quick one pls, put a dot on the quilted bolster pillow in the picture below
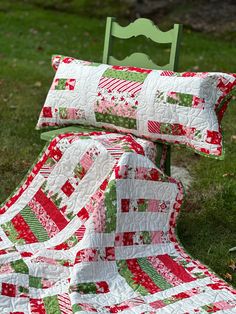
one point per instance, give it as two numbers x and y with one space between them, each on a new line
181 108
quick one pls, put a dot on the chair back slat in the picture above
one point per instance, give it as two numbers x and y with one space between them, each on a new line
140 59
145 28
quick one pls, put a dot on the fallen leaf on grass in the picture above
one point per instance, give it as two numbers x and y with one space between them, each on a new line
196 68
232 265
228 276
40 48
233 138
38 84
12 107
41 62
228 174
33 31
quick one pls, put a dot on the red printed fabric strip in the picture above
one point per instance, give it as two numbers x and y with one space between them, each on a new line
51 209
139 173
164 271
144 205
158 304
215 307
43 217
37 306
126 305
23 229
175 268
140 238
47 112
95 255
140 277
130 68
8 289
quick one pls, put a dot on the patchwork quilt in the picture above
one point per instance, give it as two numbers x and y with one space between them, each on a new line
170 107
91 230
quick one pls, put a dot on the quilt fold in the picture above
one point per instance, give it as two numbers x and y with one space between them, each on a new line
92 230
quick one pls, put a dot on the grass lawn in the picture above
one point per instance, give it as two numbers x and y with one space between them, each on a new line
30 35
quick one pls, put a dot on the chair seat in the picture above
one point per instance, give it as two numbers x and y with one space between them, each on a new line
47 136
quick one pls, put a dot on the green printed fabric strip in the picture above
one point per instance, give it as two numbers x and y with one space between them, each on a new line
51 305
76 308
55 198
142 207
84 288
34 224
151 272
12 233
61 84
111 207
79 171
125 75
181 99
20 266
146 236
126 273
35 282
225 100
63 112
128 123
23 290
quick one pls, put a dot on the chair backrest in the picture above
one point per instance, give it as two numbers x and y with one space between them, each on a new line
146 28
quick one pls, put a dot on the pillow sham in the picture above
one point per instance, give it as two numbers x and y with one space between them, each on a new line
181 108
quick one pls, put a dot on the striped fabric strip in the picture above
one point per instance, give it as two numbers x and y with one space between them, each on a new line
120 85
64 303
152 273
141 277
23 229
44 218
164 271
34 224
124 271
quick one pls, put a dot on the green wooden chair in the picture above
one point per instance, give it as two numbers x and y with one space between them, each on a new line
139 27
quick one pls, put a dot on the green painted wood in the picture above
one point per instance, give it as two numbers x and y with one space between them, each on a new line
143 60
143 27
149 30
48 136
175 47
167 165
107 40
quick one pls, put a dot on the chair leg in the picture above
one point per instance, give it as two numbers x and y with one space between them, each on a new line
168 161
